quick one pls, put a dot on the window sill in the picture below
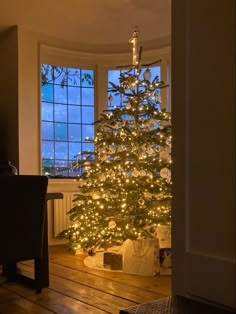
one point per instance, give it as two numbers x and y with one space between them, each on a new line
62 185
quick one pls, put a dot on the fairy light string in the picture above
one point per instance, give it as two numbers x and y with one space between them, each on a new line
125 189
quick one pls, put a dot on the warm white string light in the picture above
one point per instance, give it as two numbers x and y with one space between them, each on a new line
134 41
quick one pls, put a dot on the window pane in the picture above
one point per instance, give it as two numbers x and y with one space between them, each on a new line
48 167
74 114
47 74
73 77
61 131
62 168
74 132
47 111
60 94
87 131
60 113
117 100
156 71
74 95
47 131
60 75
87 78
74 150
87 114
113 76
75 171
113 100
87 96
61 150
47 150
88 147
47 93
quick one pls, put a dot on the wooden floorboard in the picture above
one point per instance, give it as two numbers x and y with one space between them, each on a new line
76 288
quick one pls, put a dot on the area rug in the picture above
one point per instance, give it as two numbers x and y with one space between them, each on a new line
161 306
175 305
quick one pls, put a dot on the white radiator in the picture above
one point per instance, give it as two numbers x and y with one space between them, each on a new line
61 207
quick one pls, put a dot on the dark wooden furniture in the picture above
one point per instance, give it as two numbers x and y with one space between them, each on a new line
45 264
23 219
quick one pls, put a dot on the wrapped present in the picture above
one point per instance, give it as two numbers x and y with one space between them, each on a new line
165 261
141 257
163 233
112 261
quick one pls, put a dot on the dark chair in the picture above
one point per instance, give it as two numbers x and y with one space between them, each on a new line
22 223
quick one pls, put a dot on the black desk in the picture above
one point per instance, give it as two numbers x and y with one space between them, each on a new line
54 195
12 269
45 266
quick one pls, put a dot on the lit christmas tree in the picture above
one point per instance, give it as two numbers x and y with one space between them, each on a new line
125 189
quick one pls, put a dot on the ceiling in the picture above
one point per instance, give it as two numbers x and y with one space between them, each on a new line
96 25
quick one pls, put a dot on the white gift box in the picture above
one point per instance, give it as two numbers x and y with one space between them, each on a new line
163 233
141 257
165 261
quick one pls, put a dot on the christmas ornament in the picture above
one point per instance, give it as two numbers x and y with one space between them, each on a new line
114 125
147 195
150 151
91 252
111 224
96 196
110 98
141 201
87 165
159 196
102 177
111 150
121 148
164 155
142 173
165 173
128 106
134 41
135 173
123 135
147 75
103 157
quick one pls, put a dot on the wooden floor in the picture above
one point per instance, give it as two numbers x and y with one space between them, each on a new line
75 288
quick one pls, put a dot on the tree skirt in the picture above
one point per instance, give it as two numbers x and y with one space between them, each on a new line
96 262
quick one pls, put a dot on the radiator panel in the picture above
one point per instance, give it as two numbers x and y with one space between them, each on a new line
61 207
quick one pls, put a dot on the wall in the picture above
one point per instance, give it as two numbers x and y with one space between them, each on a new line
9 97
203 103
